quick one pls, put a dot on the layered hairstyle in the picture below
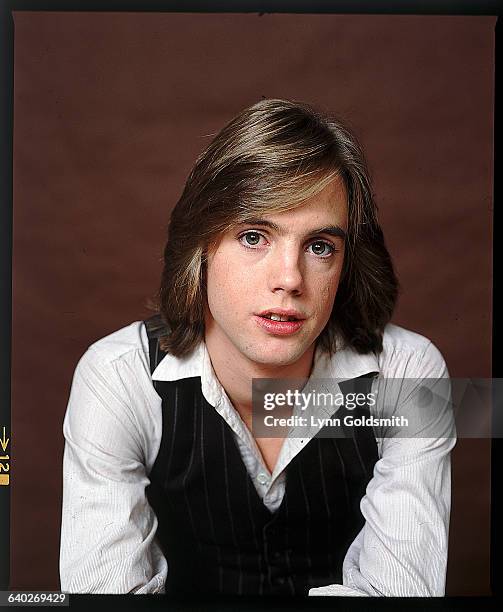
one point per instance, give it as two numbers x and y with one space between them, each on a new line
269 159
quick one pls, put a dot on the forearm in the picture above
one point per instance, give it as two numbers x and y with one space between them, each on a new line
402 549
108 528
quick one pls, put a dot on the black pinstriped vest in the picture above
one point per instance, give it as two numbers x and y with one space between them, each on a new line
216 533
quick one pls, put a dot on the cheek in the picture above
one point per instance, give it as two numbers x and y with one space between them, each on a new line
326 290
326 297
226 283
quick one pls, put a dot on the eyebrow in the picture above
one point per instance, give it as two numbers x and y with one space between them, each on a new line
332 230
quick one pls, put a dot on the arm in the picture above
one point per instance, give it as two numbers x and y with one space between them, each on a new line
402 548
108 527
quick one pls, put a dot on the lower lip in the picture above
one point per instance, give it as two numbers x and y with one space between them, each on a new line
281 328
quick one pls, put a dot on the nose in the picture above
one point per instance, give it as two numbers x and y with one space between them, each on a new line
286 271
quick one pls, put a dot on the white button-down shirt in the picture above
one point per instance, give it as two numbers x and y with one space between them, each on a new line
113 428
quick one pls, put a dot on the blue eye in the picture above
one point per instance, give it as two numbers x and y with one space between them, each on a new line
322 248
250 239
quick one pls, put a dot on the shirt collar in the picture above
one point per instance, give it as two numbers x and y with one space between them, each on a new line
345 364
196 363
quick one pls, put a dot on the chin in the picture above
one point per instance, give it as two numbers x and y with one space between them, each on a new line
272 357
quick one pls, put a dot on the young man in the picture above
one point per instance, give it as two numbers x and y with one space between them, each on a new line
275 267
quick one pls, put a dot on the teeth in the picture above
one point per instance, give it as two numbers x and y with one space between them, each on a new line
275 317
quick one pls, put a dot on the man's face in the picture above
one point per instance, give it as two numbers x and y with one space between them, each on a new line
279 265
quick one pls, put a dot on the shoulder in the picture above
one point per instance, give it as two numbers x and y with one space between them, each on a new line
399 338
112 400
121 344
118 361
408 353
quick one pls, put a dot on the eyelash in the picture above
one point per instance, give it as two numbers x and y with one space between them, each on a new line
333 250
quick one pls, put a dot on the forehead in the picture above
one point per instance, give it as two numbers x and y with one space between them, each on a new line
328 207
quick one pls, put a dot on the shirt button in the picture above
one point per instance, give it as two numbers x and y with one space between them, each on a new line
262 478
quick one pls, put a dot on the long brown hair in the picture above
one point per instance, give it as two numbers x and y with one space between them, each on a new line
270 158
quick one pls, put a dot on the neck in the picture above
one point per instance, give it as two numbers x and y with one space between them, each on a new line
235 372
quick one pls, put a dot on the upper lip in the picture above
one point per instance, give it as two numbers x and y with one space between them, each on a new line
282 312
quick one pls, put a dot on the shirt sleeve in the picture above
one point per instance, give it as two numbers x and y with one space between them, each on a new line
401 550
108 527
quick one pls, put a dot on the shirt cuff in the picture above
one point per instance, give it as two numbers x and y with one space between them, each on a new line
337 590
153 587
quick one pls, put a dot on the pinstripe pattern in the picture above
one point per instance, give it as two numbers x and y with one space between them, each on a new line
357 449
207 490
267 550
358 453
173 435
156 358
229 509
346 386
186 476
208 509
325 499
308 521
344 476
255 538
287 552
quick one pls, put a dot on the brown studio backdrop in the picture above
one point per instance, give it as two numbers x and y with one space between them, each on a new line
111 111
